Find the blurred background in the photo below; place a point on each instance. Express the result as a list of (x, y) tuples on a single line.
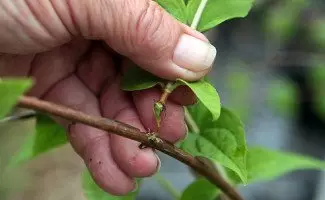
[(270, 69)]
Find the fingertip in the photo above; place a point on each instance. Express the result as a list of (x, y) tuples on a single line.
[(104, 170), (132, 160)]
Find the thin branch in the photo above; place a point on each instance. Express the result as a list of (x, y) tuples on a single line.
[(193, 127), (133, 133), (198, 14)]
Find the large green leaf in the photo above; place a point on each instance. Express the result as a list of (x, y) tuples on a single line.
[(207, 95), (218, 11), (222, 141), (200, 189), (136, 78), (10, 91), (93, 192), (265, 164), (176, 8), (47, 136)]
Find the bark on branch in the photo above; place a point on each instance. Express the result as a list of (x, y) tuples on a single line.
[(133, 133)]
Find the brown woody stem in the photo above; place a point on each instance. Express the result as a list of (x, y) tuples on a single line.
[(133, 133)]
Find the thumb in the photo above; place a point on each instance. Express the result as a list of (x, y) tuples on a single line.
[(145, 33)]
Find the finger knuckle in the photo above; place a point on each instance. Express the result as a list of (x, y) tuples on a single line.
[(150, 35)]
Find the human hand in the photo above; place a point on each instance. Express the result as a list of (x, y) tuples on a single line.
[(76, 50)]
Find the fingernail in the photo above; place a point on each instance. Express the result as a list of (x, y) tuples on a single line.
[(158, 164), (186, 133), (194, 54), (136, 186)]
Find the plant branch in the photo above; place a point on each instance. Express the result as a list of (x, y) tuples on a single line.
[(198, 14), (171, 86), (190, 122), (133, 133)]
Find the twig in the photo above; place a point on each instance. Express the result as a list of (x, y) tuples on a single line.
[(193, 127), (18, 116), (133, 133)]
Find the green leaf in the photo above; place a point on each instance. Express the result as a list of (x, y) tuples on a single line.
[(93, 192), (222, 141), (136, 78), (10, 91), (47, 136), (200, 189), (265, 164), (217, 11), (189, 144), (207, 95), (176, 8)]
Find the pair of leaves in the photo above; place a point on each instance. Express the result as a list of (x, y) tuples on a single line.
[(209, 13), (137, 79), (214, 11), (262, 165), (93, 192), (222, 141), (10, 91)]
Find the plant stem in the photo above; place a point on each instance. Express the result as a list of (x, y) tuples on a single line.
[(190, 122), (170, 86), (167, 185), (133, 133), (198, 14), (161, 104)]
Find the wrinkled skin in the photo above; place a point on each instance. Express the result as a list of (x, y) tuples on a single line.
[(75, 51)]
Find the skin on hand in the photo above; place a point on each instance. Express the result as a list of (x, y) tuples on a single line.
[(75, 51)]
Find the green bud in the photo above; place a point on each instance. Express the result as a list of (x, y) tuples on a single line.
[(158, 109)]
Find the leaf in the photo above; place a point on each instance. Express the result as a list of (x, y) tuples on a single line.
[(265, 164), (189, 144), (200, 189), (47, 136), (136, 78), (93, 192), (176, 8), (217, 11), (10, 91), (207, 95), (222, 141)]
